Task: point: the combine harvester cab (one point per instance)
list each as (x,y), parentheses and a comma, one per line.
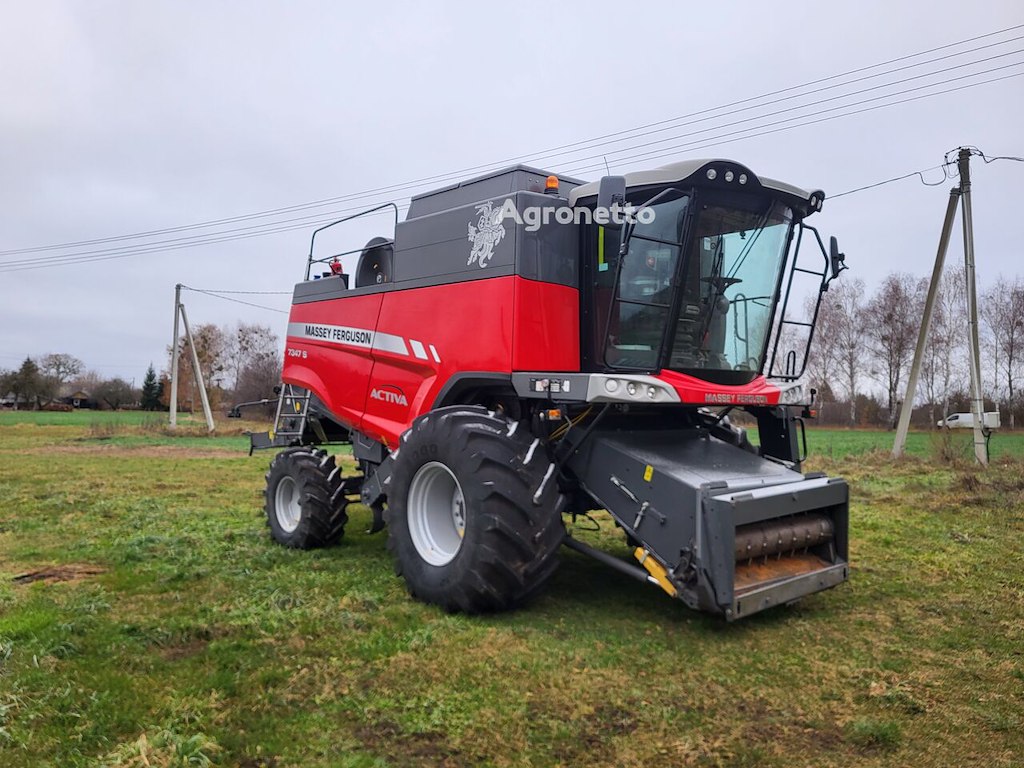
(527,347)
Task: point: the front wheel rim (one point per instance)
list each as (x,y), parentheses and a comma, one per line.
(436,513)
(286,504)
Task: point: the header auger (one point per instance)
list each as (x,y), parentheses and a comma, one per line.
(528,347)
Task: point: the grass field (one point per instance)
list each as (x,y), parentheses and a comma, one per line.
(147,619)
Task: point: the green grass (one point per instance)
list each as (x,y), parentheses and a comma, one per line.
(83,418)
(184,636)
(840,443)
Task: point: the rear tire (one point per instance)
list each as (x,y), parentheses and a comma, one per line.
(303,501)
(473,526)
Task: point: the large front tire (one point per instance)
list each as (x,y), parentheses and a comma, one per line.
(303,500)
(474,511)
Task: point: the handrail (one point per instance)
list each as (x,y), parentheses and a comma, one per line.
(790,372)
(312,240)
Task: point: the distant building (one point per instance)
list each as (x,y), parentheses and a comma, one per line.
(10,401)
(80,399)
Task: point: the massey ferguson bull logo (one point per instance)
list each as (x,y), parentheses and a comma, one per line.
(487,233)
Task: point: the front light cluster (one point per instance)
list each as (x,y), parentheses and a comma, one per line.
(632,389)
(794,393)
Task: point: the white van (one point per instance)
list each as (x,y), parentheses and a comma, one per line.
(966,420)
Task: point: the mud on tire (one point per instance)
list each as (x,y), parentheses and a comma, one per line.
(474,511)
(303,499)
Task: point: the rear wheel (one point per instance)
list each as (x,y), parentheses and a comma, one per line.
(303,500)
(474,511)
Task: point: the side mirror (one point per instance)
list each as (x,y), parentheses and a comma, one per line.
(611,194)
(836,260)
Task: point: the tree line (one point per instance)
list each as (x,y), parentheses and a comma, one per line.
(863,348)
(864,345)
(238,363)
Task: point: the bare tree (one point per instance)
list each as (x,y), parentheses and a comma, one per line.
(941,367)
(1002,310)
(246,345)
(211,347)
(823,361)
(60,367)
(116,393)
(892,321)
(839,339)
(86,381)
(258,379)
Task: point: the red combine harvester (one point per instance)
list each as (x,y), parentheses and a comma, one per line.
(528,347)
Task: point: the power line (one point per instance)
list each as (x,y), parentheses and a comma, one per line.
(242,293)
(920,174)
(843,96)
(751,132)
(306,221)
(276,226)
(236,301)
(725,140)
(802,95)
(556,151)
(148,248)
(45,262)
(978,153)
(946,175)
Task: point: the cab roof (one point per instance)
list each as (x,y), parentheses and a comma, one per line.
(713,172)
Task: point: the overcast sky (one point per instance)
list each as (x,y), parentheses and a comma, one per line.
(125,117)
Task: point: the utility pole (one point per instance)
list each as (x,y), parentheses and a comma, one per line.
(977,403)
(961,193)
(196,370)
(179,310)
(174,360)
(922,335)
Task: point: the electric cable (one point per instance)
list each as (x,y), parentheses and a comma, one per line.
(274,227)
(631,132)
(947,163)
(945,177)
(723,139)
(236,301)
(241,293)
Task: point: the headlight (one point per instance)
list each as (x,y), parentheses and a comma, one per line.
(794,393)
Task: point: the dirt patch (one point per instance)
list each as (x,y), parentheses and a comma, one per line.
(184,650)
(67,572)
(263,761)
(409,749)
(141,451)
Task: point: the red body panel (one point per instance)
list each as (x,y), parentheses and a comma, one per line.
(339,376)
(546,335)
(448,329)
(421,337)
(378,361)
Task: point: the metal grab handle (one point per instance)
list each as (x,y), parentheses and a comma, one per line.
(312,240)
